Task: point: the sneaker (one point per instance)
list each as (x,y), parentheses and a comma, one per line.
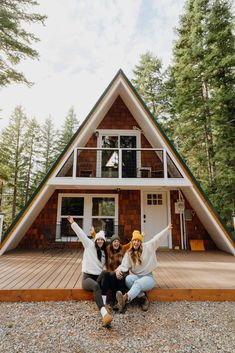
(144,302)
(121,301)
(107,319)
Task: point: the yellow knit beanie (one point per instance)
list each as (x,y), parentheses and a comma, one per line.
(136,235)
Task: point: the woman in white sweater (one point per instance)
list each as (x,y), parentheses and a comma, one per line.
(141,260)
(94,259)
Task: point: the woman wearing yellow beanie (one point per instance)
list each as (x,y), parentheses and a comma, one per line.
(141,260)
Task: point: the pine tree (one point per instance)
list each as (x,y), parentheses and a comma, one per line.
(11,158)
(220,63)
(68,129)
(201,108)
(30,158)
(48,150)
(15,40)
(148,79)
(191,101)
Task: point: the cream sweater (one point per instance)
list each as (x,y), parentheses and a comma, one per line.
(90,263)
(148,257)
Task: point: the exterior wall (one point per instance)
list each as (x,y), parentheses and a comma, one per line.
(129,206)
(118,117)
(129,217)
(194,228)
(129,211)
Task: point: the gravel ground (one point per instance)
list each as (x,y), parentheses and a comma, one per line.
(75,327)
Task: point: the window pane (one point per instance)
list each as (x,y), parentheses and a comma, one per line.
(103,206)
(65,227)
(128,141)
(110,164)
(105,224)
(73,206)
(110,141)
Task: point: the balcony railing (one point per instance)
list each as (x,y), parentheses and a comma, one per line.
(119,163)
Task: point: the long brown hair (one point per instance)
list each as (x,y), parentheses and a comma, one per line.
(136,254)
(114,257)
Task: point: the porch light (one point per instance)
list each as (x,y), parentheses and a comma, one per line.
(96,133)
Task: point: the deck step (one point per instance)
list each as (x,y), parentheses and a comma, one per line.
(156,294)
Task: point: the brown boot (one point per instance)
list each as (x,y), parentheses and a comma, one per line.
(107,307)
(107,319)
(121,301)
(144,302)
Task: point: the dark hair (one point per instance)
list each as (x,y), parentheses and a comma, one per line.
(99,251)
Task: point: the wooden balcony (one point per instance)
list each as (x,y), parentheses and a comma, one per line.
(56,275)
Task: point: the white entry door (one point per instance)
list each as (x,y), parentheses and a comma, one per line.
(154,215)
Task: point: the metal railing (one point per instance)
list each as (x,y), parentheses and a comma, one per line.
(119,163)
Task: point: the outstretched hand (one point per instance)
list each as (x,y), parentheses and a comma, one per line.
(70,219)
(170,226)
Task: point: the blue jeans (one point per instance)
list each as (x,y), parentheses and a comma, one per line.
(139,284)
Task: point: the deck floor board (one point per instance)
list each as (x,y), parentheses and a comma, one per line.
(61,270)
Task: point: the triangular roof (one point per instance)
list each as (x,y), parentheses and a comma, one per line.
(120,85)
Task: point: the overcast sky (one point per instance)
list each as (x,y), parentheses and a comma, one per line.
(82,46)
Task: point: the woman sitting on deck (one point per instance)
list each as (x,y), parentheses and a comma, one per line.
(141,260)
(94,259)
(108,279)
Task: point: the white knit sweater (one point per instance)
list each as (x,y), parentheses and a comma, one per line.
(90,263)
(148,257)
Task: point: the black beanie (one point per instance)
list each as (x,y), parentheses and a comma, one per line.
(114,237)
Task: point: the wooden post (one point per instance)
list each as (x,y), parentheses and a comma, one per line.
(1,225)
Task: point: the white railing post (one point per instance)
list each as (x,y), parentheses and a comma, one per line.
(1,225)
(119,163)
(164,163)
(75,156)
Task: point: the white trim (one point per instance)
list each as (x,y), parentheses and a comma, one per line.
(107,183)
(167,205)
(168,200)
(87,221)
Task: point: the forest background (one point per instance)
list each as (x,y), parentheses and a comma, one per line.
(193,100)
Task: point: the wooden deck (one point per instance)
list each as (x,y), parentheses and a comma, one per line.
(56,275)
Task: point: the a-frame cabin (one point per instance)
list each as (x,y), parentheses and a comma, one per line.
(119,172)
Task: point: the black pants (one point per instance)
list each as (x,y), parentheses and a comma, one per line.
(89,283)
(108,280)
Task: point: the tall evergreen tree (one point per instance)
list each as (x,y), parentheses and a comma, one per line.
(68,129)
(220,63)
(12,146)
(15,41)
(148,79)
(48,150)
(30,158)
(202,97)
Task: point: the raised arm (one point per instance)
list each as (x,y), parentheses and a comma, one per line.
(159,238)
(79,232)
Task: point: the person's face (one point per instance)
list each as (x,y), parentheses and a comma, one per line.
(116,244)
(100,242)
(136,244)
